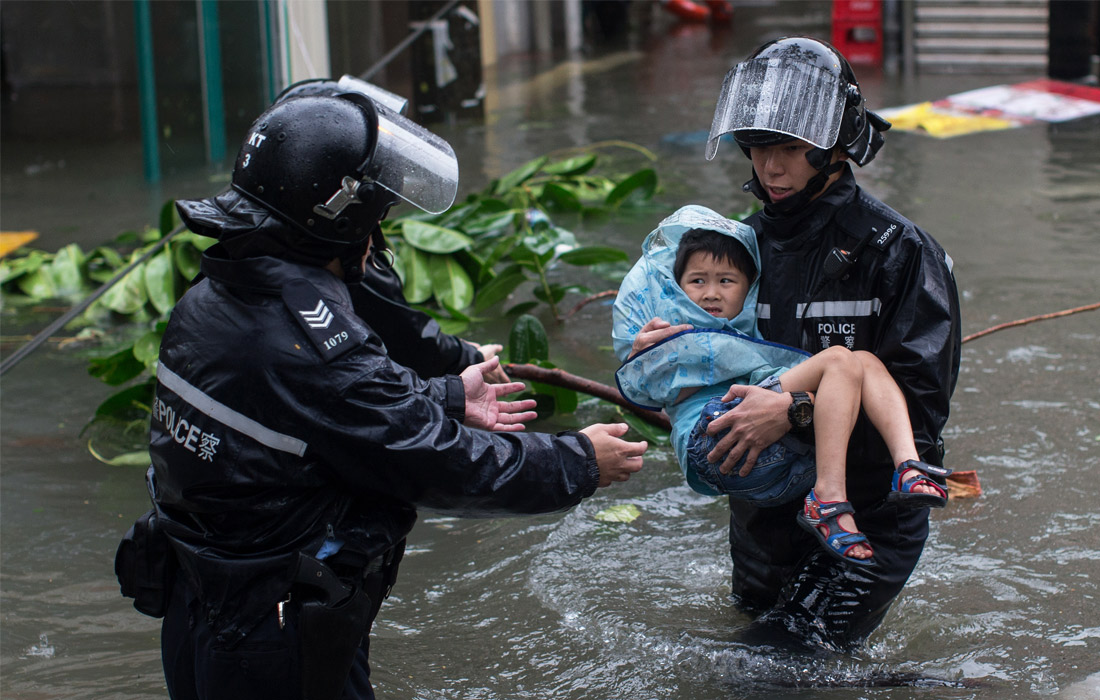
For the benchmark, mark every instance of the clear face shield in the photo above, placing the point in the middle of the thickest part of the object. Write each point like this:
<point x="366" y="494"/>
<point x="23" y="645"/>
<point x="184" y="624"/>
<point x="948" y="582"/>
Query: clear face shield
<point x="413" y="163"/>
<point x="801" y="100"/>
<point x="409" y="161"/>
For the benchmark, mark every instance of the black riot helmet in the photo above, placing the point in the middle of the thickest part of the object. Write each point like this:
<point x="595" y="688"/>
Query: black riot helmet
<point x="306" y="159"/>
<point x="797" y="88"/>
<point x="317" y="173"/>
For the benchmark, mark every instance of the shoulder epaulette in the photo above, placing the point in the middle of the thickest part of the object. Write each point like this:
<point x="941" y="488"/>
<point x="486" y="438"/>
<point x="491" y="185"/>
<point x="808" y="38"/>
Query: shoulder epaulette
<point x="862" y="223"/>
<point x="328" y="332"/>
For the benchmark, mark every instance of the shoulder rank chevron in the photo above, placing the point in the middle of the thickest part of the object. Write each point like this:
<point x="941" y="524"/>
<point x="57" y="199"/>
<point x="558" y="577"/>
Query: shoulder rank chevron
<point x="327" y="331"/>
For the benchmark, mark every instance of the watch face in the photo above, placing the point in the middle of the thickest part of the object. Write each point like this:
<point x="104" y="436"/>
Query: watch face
<point x="803" y="414"/>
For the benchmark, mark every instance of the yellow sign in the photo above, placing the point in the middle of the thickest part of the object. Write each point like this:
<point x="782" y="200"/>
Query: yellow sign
<point x="12" y="240"/>
<point x="942" y="122"/>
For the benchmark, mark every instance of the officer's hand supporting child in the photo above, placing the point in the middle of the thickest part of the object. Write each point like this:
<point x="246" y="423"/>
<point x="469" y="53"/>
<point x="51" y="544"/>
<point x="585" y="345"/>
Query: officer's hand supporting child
<point x="758" y="421"/>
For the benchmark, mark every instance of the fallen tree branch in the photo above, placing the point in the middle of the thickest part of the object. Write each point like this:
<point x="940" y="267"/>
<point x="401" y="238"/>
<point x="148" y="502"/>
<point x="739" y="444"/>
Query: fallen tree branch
<point x="589" y="299"/>
<point x="557" y="377"/>
<point x="1032" y="319"/>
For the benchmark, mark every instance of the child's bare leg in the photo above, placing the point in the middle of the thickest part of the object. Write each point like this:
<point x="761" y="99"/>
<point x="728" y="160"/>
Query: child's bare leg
<point x="836" y="378"/>
<point x="885" y="406"/>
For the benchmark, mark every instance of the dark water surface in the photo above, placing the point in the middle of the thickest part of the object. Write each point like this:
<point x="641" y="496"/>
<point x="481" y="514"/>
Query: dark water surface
<point x="1004" y="603"/>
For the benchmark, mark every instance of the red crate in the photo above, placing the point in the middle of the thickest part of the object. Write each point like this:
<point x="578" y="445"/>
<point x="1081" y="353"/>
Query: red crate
<point x="860" y="41"/>
<point x="857" y="11"/>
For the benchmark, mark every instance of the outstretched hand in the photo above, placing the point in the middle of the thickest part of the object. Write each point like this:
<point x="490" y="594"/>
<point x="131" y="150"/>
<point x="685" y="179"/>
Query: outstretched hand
<point x="654" y="332"/>
<point x="484" y="409"/>
<point x="758" y="421"/>
<point x="616" y="458"/>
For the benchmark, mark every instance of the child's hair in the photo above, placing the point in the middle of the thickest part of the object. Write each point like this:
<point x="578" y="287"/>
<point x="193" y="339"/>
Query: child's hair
<point x="721" y="247"/>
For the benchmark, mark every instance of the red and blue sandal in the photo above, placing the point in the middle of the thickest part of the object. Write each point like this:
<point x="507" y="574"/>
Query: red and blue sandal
<point x="836" y="540"/>
<point x="902" y="492"/>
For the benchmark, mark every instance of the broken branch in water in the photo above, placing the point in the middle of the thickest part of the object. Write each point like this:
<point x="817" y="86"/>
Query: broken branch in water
<point x="1031" y="319"/>
<point x="557" y="377"/>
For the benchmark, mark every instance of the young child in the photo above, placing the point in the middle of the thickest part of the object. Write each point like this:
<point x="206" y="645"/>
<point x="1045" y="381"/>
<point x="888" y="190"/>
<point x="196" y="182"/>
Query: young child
<point x="699" y="273"/>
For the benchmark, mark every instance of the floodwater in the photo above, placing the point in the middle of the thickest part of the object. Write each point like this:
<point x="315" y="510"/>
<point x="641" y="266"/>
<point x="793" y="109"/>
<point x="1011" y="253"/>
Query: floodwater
<point x="1004" y="603"/>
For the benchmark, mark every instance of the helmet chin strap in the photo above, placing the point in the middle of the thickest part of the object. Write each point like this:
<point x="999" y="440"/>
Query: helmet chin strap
<point x="819" y="159"/>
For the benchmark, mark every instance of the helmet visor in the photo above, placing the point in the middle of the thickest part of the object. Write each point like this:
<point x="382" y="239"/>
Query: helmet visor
<point x="397" y="103"/>
<point x="413" y="163"/>
<point x="769" y="94"/>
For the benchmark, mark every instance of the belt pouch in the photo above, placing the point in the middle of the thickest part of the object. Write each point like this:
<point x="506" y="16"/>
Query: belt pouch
<point x="330" y="637"/>
<point x="145" y="565"/>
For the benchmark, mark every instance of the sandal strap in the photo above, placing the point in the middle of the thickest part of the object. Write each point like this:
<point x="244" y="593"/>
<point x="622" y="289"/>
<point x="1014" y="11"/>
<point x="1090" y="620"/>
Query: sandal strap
<point x="924" y="467"/>
<point x="846" y="539"/>
<point x="830" y="509"/>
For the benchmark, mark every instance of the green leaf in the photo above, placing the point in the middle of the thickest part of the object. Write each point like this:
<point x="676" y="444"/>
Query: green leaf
<point x="126" y="459"/>
<point x="13" y="268"/>
<point x="453" y="322"/>
<point x="168" y="218"/>
<point x="67" y="269"/>
<point x="456" y="314"/>
<point x="450" y="283"/>
<point x="501" y="249"/>
<point x="498" y="289"/>
<point x="571" y="166"/>
<point x="593" y="255"/>
<point x="562" y="197"/>
<point x="127" y="296"/>
<point x="453" y="326"/>
<point x="644" y="181"/>
<point x="518" y="176"/>
<point x="521" y="308"/>
<point x="128" y="403"/>
<point x="565" y="400"/>
<point x="160" y="281"/>
<point x="418" y="278"/>
<point x="434" y="239"/>
<point x="147" y="348"/>
<point x="116" y="369"/>
<point x="489" y="223"/>
<point x="622" y="513"/>
<point x="555" y="293"/>
<point x="527" y="341"/>
<point x="38" y="284"/>
<point x="103" y="263"/>
<point x="187" y="250"/>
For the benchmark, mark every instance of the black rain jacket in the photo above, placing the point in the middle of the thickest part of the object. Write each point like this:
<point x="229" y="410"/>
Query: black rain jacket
<point x="898" y="300"/>
<point x="280" y="425"/>
<point x="413" y="338"/>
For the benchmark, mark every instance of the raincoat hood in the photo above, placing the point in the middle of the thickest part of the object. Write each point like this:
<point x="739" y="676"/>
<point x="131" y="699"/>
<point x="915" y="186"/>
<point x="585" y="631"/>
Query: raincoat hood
<point x="663" y="289"/>
<point x="715" y="350"/>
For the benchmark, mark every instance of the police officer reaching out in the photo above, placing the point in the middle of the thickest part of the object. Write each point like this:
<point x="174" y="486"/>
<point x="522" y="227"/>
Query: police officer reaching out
<point x="290" y="452"/>
<point x="838" y="267"/>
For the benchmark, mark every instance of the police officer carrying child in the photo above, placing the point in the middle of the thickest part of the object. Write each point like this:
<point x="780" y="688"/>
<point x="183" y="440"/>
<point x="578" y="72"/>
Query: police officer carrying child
<point x="837" y="267"/>
<point x="290" y="452"/>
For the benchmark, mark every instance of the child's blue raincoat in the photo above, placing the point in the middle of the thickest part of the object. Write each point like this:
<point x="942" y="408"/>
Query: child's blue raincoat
<point x="716" y="353"/>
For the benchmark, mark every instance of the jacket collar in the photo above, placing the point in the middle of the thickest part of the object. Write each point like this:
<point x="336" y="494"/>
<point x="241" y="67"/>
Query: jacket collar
<point x="267" y="275"/>
<point x="793" y="228"/>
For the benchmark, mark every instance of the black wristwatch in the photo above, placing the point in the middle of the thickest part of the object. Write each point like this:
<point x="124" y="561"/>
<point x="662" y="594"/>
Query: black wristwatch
<point x="801" y="411"/>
